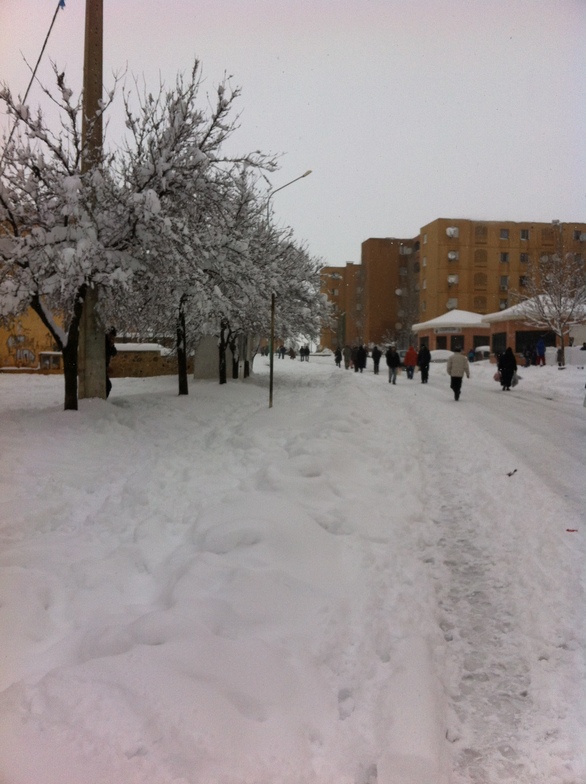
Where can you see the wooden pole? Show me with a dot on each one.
(92, 354)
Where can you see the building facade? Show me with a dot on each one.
(479, 265)
(452, 264)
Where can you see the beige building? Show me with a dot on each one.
(453, 264)
(476, 265)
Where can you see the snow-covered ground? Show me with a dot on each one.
(365, 584)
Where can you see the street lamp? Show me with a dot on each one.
(272, 338)
(272, 193)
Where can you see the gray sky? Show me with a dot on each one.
(405, 110)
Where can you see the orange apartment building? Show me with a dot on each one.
(374, 301)
(453, 264)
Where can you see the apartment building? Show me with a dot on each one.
(453, 264)
(476, 265)
(374, 301)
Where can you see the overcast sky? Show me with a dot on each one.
(405, 110)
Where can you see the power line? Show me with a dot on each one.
(60, 4)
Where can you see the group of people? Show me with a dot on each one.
(356, 357)
(535, 355)
(304, 353)
(457, 367)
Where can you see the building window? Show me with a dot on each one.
(425, 239)
(453, 231)
(504, 258)
(453, 280)
(504, 282)
(522, 281)
(480, 258)
(441, 341)
(453, 255)
(499, 342)
(424, 262)
(424, 285)
(504, 235)
(479, 304)
(480, 280)
(480, 233)
(335, 292)
(423, 307)
(578, 234)
(524, 234)
(524, 258)
(547, 236)
(452, 303)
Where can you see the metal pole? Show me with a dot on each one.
(272, 338)
(272, 193)
(91, 352)
(272, 350)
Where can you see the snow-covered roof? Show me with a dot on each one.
(141, 347)
(518, 311)
(453, 318)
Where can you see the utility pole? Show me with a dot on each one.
(92, 353)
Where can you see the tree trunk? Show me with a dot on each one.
(234, 350)
(224, 327)
(182, 352)
(70, 372)
(562, 361)
(69, 351)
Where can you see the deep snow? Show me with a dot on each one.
(364, 584)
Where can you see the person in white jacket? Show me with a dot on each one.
(457, 365)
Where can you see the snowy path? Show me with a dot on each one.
(504, 643)
(346, 589)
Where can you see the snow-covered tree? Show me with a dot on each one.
(176, 150)
(64, 229)
(554, 293)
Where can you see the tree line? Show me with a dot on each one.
(173, 231)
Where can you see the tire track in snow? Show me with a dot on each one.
(490, 620)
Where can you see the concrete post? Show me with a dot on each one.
(92, 354)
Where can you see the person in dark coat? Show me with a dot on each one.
(376, 354)
(361, 357)
(393, 363)
(423, 360)
(507, 366)
(338, 357)
(111, 351)
(354, 358)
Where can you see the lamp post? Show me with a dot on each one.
(272, 338)
(286, 185)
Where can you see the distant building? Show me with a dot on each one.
(453, 264)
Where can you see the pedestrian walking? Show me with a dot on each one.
(507, 366)
(347, 354)
(338, 357)
(457, 366)
(540, 351)
(111, 351)
(393, 363)
(361, 356)
(423, 360)
(376, 355)
(410, 361)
